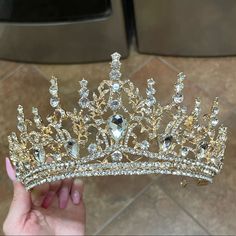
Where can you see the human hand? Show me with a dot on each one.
(50, 209)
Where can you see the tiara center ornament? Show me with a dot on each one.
(117, 126)
(117, 131)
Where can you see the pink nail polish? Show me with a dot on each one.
(10, 171)
(76, 197)
(63, 197)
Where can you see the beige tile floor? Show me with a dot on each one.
(136, 204)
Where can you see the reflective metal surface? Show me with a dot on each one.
(68, 42)
(186, 28)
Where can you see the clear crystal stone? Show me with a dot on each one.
(114, 104)
(166, 143)
(117, 126)
(84, 92)
(72, 148)
(115, 87)
(179, 87)
(115, 74)
(54, 102)
(84, 102)
(150, 91)
(178, 98)
(21, 126)
(216, 110)
(86, 118)
(150, 101)
(214, 121)
(53, 90)
(115, 64)
(116, 156)
(39, 154)
(115, 56)
(92, 148)
(83, 83)
(57, 156)
(20, 118)
(151, 81)
(184, 151)
(144, 145)
(202, 149)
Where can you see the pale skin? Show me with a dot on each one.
(50, 209)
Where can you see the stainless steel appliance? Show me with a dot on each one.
(58, 31)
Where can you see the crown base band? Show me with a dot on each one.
(113, 169)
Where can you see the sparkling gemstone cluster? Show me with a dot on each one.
(116, 131)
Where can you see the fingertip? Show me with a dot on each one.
(10, 170)
(77, 191)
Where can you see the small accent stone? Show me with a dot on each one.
(84, 102)
(54, 101)
(92, 148)
(184, 151)
(151, 81)
(114, 104)
(179, 87)
(214, 121)
(178, 98)
(116, 156)
(21, 126)
(150, 91)
(53, 90)
(144, 145)
(150, 101)
(115, 87)
(83, 83)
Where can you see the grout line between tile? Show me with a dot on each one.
(11, 73)
(169, 64)
(140, 66)
(41, 72)
(123, 208)
(184, 210)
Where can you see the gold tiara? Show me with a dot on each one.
(116, 131)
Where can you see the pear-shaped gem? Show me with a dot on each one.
(166, 143)
(39, 154)
(117, 126)
(72, 148)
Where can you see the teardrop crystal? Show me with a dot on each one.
(39, 154)
(72, 148)
(117, 126)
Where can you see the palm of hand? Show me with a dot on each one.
(55, 221)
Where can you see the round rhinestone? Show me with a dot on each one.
(84, 102)
(178, 98)
(114, 104)
(144, 145)
(54, 102)
(115, 87)
(214, 121)
(53, 90)
(92, 148)
(116, 156)
(150, 101)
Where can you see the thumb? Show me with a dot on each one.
(21, 203)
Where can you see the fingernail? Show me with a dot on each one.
(76, 197)
(10, 170)
(63, 197)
